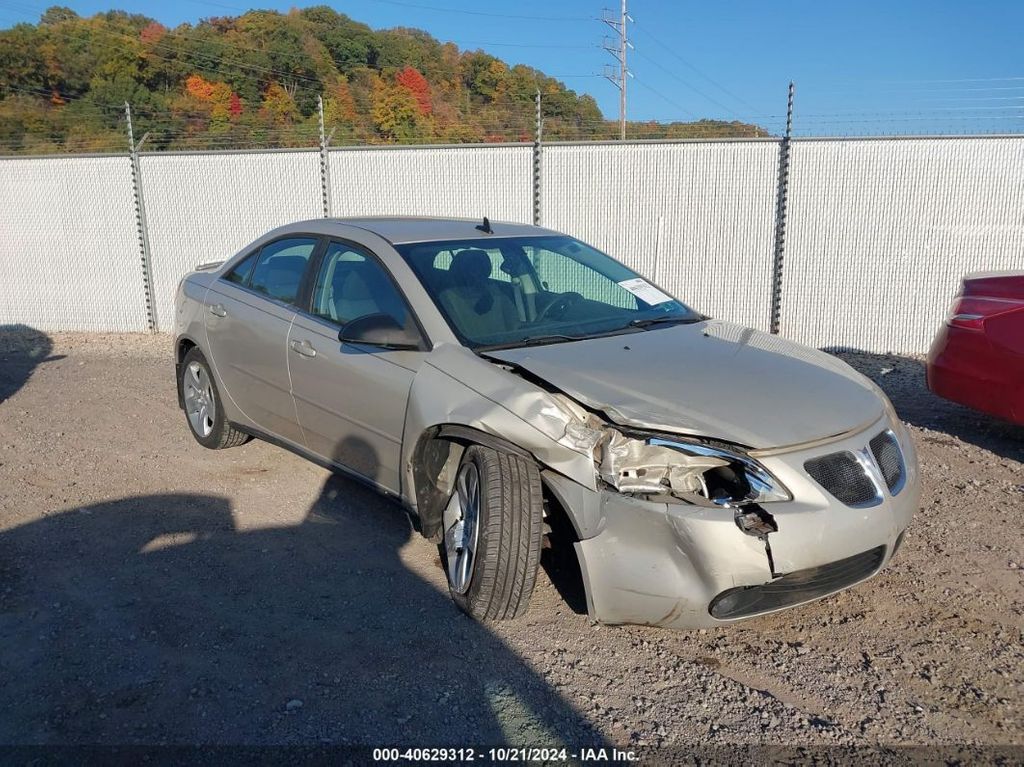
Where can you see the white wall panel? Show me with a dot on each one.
(696, 218)
(205, 207)
(69, 248)
(445, 181)
(880, 233)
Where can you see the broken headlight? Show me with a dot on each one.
(692, 471)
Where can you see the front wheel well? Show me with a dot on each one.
(435, 461)
(558, 556)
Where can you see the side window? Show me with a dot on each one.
(240, 274)
(279, 269)
(352, 285)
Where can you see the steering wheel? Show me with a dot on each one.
(557, 308)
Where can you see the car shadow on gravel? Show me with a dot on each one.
(157, 619)
(903, 380)
(22, 349)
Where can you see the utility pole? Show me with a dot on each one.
(618, 51)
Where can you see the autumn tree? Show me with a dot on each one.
(395, 112)
(278, 105)
(215, 99)
(255, 78)
(417, 85)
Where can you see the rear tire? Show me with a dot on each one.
(496, 513)
(204, 410)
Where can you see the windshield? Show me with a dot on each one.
(514, 291)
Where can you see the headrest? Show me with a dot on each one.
(515, 263)
(470, 267)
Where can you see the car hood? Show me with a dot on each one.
(711, 379)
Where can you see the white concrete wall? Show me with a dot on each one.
(879, 232)
(207, 207)
(695, 218)
(470, 182)
(69, 246)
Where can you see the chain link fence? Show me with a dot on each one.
(878, 232)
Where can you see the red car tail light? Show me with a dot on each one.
(971, 312)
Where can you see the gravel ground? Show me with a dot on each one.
(155, 592)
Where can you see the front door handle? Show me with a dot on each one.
(218, 310)
(305, 348)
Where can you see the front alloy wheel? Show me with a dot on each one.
(461, 527)
(492, 533)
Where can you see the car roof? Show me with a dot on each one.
(407, 229)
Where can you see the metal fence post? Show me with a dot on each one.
(780, 218)
(537, 134)
(140, 221)
(325, 164)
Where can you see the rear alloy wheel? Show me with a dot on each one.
(492, 534)
(203, 405)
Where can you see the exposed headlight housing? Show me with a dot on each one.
(690, 470)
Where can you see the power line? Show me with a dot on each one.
(661, 95)
(487, 14)
(961, 80)
(521, 45)
(686, 63)
(185, 56)
(696, 90)
(306, 59)
(963, 99)
(423, 6)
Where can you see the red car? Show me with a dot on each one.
(977, 359)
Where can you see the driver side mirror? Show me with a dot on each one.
(381, 330)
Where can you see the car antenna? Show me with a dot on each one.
(485, 227)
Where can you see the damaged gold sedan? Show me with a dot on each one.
(498, 379)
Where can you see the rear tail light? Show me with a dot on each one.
(967, 320)
(970, 312)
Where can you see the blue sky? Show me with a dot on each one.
(860, 67)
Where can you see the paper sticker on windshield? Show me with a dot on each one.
(645, 291)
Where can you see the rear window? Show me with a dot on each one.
(281, 265)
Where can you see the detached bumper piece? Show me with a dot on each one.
(796, 587)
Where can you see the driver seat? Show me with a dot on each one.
(473, 301)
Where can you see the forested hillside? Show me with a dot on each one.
(253, 80)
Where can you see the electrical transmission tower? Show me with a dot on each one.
(617, 48)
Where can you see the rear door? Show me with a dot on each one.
(351, 399)
(248, 313)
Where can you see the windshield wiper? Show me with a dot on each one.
(552, 338)
(647, 322)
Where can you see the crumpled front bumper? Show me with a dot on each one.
(663, 564)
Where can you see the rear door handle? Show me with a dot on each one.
(305, 348)
(218, 310)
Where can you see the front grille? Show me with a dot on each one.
(844, 477)
(889, 458)
(797, 587)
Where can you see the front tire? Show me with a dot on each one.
(203, 409)
(492, 534)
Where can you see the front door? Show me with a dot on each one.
(351, 399)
